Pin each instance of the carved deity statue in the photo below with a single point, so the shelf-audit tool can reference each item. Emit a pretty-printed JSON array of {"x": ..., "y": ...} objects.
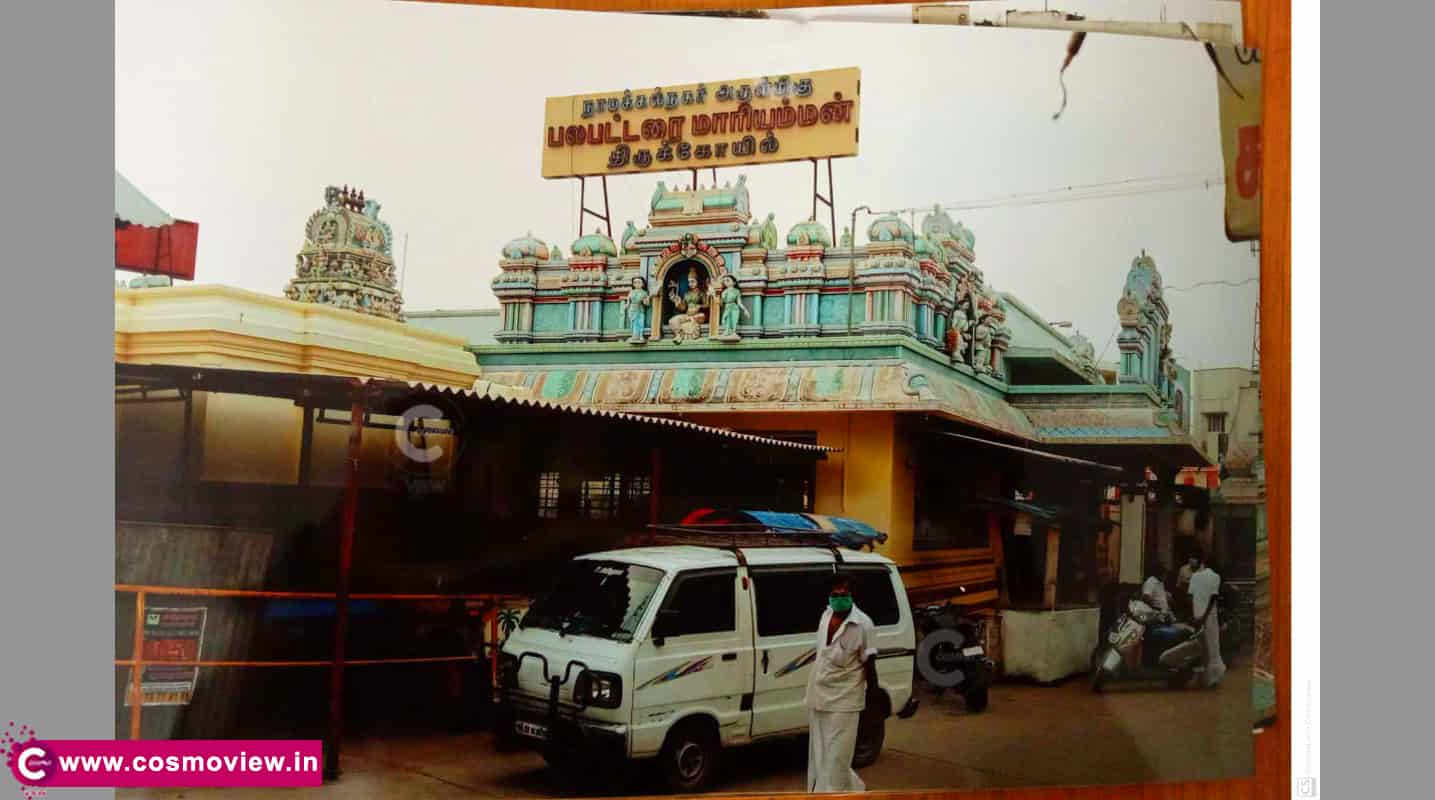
[
  {"x": 732, "y": 310},
  {"x": 740, "y": 194},
  {"x": 956, "y": 335},
  {"x": 630, "y": 233},
  {"x": 691, "y": 306},
  {"x": 633, "y": 309},
  {"x": 982, "y": 345},
  {"x": 769, "y": 232},
  {"x": 846, "y": 240}
]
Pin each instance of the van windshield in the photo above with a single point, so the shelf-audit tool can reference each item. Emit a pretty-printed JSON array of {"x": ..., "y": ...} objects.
[{"x": 595, "y": 598}]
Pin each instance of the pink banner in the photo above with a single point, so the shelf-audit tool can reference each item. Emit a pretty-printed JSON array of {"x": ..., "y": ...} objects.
[{"x": 186, "y": 763}]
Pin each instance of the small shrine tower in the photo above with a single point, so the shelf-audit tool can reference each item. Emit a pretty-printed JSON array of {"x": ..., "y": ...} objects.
[{"x": 347, "y": 261}]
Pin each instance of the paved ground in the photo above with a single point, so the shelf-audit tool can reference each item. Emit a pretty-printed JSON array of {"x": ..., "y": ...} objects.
[{"x": 1028, "y": 735}]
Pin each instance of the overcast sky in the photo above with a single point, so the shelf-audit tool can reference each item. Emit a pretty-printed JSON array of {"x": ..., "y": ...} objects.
[{"x": 238, "y": 114}]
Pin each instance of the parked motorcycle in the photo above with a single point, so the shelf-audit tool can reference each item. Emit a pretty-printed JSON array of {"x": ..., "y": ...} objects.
[
  {"x": 1146, "y": 644},
  {"x": 950, "y": 654}
]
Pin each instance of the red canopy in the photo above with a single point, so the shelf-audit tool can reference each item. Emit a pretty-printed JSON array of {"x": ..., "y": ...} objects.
[{"x": 149, "y": 240}]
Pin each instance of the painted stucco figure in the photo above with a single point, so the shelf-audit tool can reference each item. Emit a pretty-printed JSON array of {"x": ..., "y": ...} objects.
[
  {"x": 629, "y": 235},
  {"x": 691, "y": 306},
  {"x": 740, "y": 194},
  {"x": 769, "y": 232},
  {"x": 633, "y": 309},
  {"x": 982, "y": 345},
  {"x": 732, "y": 310}
]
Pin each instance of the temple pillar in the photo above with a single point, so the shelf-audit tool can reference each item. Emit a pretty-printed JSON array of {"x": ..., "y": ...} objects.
[{"x": 1133, "y": 536}]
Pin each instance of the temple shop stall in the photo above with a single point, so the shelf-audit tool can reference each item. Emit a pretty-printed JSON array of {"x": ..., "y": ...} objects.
[{"x": 1051, "y": 564}]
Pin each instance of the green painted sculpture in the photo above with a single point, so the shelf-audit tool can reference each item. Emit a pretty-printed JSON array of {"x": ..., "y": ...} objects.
[
  {"x": 633, "y": 309},
  {"x": 732, "y": 310}
]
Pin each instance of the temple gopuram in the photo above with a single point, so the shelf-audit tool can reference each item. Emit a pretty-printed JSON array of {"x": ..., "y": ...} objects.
[
  {"x": 347, "y": 261},
  {"x": 1013, "y": 474}
]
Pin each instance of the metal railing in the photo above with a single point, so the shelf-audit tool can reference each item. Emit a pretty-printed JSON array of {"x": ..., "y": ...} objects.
[{"x": 137, "y": 661}]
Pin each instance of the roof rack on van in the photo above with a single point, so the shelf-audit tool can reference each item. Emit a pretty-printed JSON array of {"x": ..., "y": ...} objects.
[
  {"x": 735, "y": 537},
  {"x": 734, "y": 530}
]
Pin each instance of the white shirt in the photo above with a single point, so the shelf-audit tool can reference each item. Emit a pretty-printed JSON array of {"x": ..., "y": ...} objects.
[
  {"x": 1156, "y": 590},
  {"x": 837, "y": 682},
  {"x": 1205, "y": 584}
]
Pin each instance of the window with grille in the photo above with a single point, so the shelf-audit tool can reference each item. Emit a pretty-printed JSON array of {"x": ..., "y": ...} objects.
[
  {"x": 1215, "y": 423},
  {"x": 600, "y": 497},
  {"x": 548, "y": 486}
]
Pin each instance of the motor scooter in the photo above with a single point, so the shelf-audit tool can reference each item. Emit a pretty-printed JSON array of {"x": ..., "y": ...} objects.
[
  {"x": 1146, "y": 644},
  {"x": 950, "y": 654}
]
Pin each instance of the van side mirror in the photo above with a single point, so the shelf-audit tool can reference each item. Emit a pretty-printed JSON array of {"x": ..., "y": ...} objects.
[{"x": 665, "y": 625}]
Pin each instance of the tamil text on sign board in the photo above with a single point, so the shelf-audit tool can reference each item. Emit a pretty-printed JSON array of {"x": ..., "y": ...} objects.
[
  {"x": 175, "y": 635},
  {"x": 763, "y": 120}
]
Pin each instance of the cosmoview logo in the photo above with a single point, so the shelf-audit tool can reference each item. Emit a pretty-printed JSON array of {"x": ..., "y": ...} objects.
[
  {"x": 35, "y": 763},
  {"x": 31, "y": 762},
  {"x": 404, "y": 434}
]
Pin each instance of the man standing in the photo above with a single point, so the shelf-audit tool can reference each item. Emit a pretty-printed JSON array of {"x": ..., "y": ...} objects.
[
  {"x": 1205, "y": 587},
  {"x": 844, "y": 675}
]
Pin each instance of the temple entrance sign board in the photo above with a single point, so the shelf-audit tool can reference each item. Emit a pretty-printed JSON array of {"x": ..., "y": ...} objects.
[{"x": 792, "y": 117}]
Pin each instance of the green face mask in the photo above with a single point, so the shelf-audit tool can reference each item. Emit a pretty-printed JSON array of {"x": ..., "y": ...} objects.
[{"x": 840, "y": 603}]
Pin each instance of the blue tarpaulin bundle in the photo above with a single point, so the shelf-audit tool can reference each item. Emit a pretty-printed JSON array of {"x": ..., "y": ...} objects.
[{"x": 843, "y": 531}]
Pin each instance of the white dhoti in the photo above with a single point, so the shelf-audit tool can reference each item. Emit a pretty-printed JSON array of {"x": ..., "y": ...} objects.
[
  {"x": 1215, "y": 666},
  {"x": 829, "y": 752}
]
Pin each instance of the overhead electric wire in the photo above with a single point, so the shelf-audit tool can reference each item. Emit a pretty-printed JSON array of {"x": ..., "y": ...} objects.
[
  {"x": 1201, "y": 284},
  {"x": 1076, "y": 193}
]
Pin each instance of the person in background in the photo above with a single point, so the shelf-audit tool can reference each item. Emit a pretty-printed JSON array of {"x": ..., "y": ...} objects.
[
  {"x": 1205, "y": 588},
  {"x": 844, "y": 676},
  {"x": 1153, "y": 590}
]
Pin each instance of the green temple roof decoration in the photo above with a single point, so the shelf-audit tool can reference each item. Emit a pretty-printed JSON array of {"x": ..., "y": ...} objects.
[
  {"x": 594, "y": 244},
  {"x": 926, "y": 248},
  {"x": 526, "y": 246},
  {"x": 967, "y": 237},
  {"x": 809, "y": 233},
  {"x": 890, "y": 228}
]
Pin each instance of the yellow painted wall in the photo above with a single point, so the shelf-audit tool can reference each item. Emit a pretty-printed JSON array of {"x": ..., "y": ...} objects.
[{"x": 868, "y": 480}]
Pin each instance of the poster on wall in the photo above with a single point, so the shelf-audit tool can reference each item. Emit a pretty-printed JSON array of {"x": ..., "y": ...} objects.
[{"x": 170, "y": 634}]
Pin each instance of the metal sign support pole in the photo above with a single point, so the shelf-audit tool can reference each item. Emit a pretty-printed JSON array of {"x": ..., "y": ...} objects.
[
  {"x": 606, "y": 217},
  {"x": 827, "y": 201}
]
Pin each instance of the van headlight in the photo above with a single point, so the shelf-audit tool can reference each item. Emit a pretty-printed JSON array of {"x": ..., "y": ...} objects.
[{"x": 598, "y": 689}]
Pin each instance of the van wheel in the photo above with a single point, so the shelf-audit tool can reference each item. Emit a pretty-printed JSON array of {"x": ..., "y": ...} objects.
[{"x": 689, "y": 758}]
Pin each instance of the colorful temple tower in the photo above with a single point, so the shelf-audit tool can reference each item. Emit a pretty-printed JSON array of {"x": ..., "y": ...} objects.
[
  {"x": 346, "y": 260},
  {"x": 705, "y": 268}
]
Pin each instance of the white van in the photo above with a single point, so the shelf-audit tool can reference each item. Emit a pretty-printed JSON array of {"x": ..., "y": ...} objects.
[{"x": 676, "y": 652}]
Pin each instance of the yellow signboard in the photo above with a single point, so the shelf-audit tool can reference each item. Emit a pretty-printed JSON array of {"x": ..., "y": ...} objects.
[
  {"x": 1238, "y": 84},
  {"x": 762, "y": 120}
]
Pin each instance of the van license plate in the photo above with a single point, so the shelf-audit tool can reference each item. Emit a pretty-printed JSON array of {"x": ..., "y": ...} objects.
[
  {"x": 971, "y": 651},
  {"x": 531, "y": 730}
]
